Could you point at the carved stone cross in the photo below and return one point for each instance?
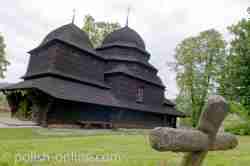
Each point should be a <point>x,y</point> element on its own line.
<point>197,142</point>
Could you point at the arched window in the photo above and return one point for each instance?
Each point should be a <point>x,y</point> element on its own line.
<point>140,95</point>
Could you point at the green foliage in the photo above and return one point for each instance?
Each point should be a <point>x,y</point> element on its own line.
<point>199,59</point>
<point>242,128</point>
<point>184,105</point>
<point>186,122</point>
<point>26,104</point>
<point>3,61</point>
<point>21,101</point>
<point>240,110</point>
<point>3,100</point>
<point>98,30</point>
<point>13,98</point>
<point>242,125</point>
<point>235,80</point>
<point>24,111</point>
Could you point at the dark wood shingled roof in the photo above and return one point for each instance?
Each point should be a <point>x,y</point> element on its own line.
<point>73,91</point>
<point>60,74</point>
<point>168,102</point>
<point>125,36</point>
<point>118,57</point>
<point>124,70</point>
<point>163,109</point>
<point>68,90</point>
<point>127,45</point>
<point>71,35</point>
<point>172,111</point>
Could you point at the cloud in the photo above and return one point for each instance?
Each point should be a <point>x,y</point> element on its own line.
<point>162,24</point>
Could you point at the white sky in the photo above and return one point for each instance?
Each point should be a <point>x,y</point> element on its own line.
<point>161,23</point>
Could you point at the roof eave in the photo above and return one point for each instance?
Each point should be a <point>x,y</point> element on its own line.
<point>123,45</point>
<point>127,74</point>
<point>53,73</point>
<point>53,41</point>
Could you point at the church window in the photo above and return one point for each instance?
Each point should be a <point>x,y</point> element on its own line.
<point>140,94</point>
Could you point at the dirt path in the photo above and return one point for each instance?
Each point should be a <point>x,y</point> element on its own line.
<point>7,122</point>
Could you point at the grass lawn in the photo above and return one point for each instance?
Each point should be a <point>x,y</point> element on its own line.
<point>130,147</point>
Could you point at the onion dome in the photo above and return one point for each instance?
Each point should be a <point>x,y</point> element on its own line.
<point>70,34</point>
<point>124,37</point>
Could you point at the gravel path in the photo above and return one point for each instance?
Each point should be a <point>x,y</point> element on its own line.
<point>3,126</point>
<point>8,122</point>
<point>18,126</point>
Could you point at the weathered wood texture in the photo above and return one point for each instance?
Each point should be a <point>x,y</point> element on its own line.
<point>120,118</point>
<point>181,140</point>
<point>199,141</point>
<point>211,118</point>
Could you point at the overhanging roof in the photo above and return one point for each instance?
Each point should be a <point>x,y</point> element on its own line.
<point>124,70</point>
<point>68,90</point>
<point>75,91</point>
<point>168,102</point>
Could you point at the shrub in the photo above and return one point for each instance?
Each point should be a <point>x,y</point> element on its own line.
<point>239,109</point>
<point>239,129</point>
<point>239,126</point>
<point>24,111</point>
<point>185,122</point>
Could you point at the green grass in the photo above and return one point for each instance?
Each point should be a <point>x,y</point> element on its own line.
<point>131,145</point>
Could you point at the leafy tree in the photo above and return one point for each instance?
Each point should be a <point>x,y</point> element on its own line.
<point>235,80</point>
<point>3,61</point>
<point>199,59</point>
<point>98,30</point>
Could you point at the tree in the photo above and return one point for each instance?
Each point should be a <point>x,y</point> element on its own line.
<point>235,80</point>
<point>98,30</point>
<point>199,59</point>
<point>3,61</point>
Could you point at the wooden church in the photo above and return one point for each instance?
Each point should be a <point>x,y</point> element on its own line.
<point>113,86</point>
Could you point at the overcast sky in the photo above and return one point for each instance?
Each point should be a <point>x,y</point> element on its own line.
<point>161,23</point>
